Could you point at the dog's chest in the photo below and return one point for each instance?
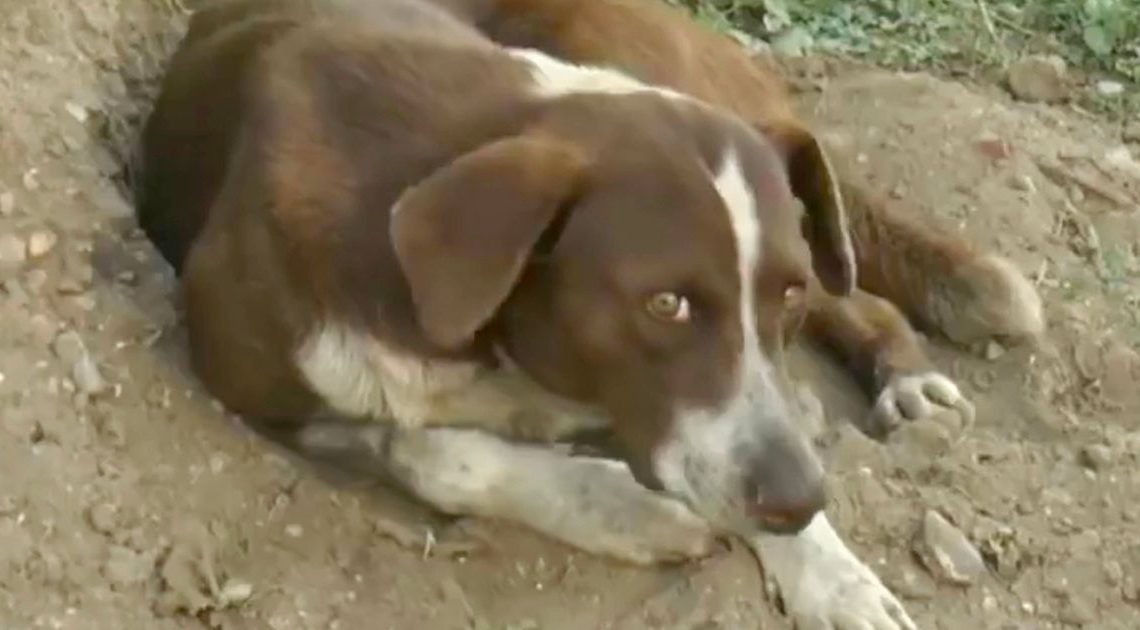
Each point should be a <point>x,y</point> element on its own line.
<point>360,376</point>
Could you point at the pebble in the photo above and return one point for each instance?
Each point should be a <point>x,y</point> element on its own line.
<point>1113,572</point>
<point>68,346</point>
<point>41,242</point>
<point>1109,88</point>
<point>1096,457</point>
<point>1039,78</point>
<point>294,530</point>
<point>994,350</point>
<point>7,204</point>
<point>29,179</point>
<point>946,551</point>
<point>77,111</point>
<point>235,592</point>
<point>102,518</point>
<point>85,373</point>
<point>993,146</point>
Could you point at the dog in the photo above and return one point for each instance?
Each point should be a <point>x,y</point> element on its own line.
<point>427,238</point>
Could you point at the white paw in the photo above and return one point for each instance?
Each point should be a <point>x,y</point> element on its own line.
<point>848,596</point>
<point>825,587</point>
<point>909,397</point>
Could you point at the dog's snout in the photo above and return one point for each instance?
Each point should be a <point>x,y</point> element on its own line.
<point>787,486</point>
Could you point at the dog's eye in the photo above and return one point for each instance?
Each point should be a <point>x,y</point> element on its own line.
<point>669,307</point>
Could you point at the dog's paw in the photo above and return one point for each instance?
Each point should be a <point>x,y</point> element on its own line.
<point>917,396</point>
<point>609,513</point>
<point>823,585</point>
<point>849,596</point>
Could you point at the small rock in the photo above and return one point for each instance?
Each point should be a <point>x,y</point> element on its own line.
<point>946,551</point>
<point>41,242</point>
<point>235,592</point>
<point>69,348</point>
<point>1109,88</point>
<point>993,147</point>
<point>8,204</point>
<point>1096,456</point>
<point>994,350</point>
<point>102,517</point>
<point>13,251</point>
<point>77,111</point>
<point>1023,183</point>
<point>294,530</point>
<point>1039,78</point>
<point>1113,572</point>
<point>29,179</point>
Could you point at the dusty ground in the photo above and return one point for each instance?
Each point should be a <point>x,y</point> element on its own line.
<point>129,501</point>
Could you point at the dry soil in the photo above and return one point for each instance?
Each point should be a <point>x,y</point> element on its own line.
<point>129,500</point>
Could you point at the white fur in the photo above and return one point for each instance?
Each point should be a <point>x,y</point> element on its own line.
<point>824,585</point>
<point>360,376</point>
<point>554,78</point>
<point>916,396</point>
<point>757,408</point>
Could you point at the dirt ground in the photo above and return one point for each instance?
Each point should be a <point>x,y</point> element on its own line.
<point>129,500</point>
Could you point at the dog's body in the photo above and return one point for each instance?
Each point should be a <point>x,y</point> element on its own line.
<point>391,210</point>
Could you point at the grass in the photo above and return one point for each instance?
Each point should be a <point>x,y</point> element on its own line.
<point>1100,39</point>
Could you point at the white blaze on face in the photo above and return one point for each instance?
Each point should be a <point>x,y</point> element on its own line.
<point>697,460</point>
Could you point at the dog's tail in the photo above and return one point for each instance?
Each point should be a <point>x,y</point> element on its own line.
<point>937,278</point>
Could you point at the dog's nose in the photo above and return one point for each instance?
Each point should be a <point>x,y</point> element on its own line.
<point>787,486</point>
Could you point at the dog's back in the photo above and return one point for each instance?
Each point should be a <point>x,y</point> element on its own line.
<point>195,121</point>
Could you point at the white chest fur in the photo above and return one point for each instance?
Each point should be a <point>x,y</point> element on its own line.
<point>359,376</point>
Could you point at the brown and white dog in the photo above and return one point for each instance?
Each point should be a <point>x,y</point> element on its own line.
<point>432,216</point>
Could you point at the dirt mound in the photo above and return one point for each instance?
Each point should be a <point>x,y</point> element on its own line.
<point>131,501</point>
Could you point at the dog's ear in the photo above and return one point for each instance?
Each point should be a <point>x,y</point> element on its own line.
<point>814,183</point>
<point>462,236</point>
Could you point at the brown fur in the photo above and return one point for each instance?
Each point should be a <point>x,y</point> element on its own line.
<point>942,282</point>
<point>383,168</point>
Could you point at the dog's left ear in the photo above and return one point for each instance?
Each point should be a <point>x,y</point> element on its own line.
<point>463,235</point>
<point>814,183</point>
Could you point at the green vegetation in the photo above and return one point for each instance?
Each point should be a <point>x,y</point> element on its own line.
<point>1099,39</point>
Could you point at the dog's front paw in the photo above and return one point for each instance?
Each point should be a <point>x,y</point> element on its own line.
<point>824,586</point>
<point>847,596</point>
<point>917,396</point>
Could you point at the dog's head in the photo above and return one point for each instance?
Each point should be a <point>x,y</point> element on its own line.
<point>650,256</point>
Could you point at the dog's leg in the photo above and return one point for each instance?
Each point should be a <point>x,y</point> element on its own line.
<point>593,504</point>
<point>824,586</point>
<point>937,278</point>
<point>879,345</point>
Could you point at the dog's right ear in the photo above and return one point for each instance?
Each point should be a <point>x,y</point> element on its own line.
<point>463,235</point>
<point>814,182</point>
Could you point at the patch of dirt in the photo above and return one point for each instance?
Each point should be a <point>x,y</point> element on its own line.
<point>130,501</point>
